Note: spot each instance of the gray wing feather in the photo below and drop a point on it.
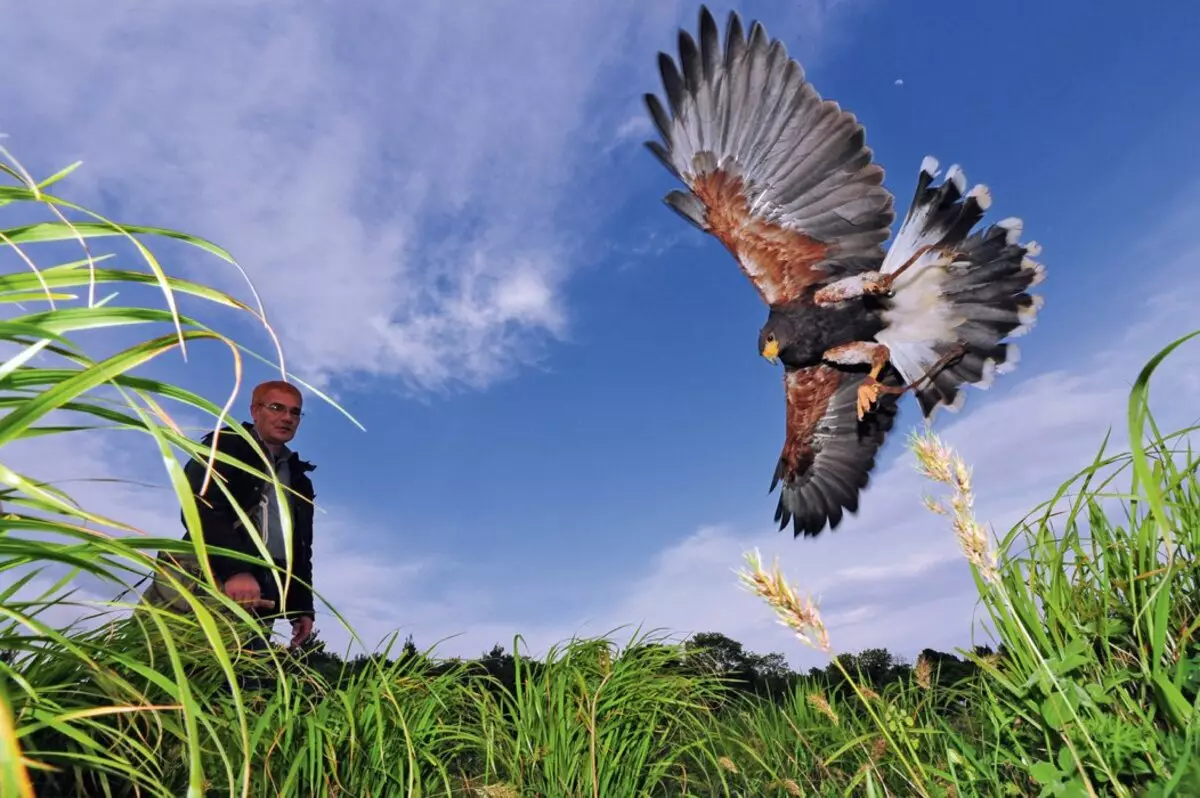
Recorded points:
(749, 110)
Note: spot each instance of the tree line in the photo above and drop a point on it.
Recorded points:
(742, 670)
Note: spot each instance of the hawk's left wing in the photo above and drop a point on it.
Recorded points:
(781, 177)
(828, 454)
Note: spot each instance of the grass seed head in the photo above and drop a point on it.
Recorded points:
(801, 615)
(933, 457)
(878, 749)
(938, 462)
(789, 786)
(821, 704)
(924, 673)
(934, 506)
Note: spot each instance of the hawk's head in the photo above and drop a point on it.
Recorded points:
(776, 336)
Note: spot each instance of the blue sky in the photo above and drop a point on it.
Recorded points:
(456, 230)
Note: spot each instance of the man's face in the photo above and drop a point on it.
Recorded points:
(277, 416)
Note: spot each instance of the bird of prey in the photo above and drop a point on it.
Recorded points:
(784, 180)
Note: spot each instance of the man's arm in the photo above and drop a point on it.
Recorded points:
(218, 519)
(300, 598)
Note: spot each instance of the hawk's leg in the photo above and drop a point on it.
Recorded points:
(866, 283)
(858, 353)
(852, 287)
(955, 351)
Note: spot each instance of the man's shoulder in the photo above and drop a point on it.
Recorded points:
(231, 442)
(226, 431)
(228, 439)
(300, 466)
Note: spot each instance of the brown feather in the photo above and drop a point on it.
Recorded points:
(777, 260)
(808, 394)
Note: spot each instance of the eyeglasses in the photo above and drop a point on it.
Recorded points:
(275, 407)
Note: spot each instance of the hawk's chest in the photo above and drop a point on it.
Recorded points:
(818, 328)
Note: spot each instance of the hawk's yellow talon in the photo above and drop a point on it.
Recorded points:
(868, 392)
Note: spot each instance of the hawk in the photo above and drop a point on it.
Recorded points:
(784, 180)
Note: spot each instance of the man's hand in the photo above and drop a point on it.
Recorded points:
(301, 629)
(245, 590)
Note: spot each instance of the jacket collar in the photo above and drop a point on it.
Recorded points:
(293, 457)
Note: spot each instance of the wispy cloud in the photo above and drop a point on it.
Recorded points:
(401, 181)
(395, 178)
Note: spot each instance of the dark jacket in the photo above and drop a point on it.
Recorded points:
(223, 528)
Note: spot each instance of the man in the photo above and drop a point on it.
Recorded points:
(276, 409)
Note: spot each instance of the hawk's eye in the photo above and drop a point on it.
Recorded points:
(770, 336)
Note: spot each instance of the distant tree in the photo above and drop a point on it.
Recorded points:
(948, 669)
(713, 652)
(772, 666)
(315, 654)
(877, 666)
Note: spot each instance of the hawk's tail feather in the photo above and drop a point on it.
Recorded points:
(937, 214)
(969, 294)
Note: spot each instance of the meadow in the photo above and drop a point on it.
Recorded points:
(1092, 687)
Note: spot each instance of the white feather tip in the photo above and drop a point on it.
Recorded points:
(958, 177)
(1012, 357)
(987, 375)
(982, 196)
(1014, 226)
(929, 165)
(1039, 271)
(1027, 317)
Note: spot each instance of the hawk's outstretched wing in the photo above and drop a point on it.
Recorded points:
(828, 454)
(781, 177)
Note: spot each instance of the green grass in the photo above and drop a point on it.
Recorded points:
(1094, 601)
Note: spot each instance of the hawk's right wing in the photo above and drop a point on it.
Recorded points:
(781, 177)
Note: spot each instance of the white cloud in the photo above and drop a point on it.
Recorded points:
(636, 128)
(893, 576)
(395, 179)
(406, 184)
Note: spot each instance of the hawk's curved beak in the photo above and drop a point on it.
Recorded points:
(771, 351)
